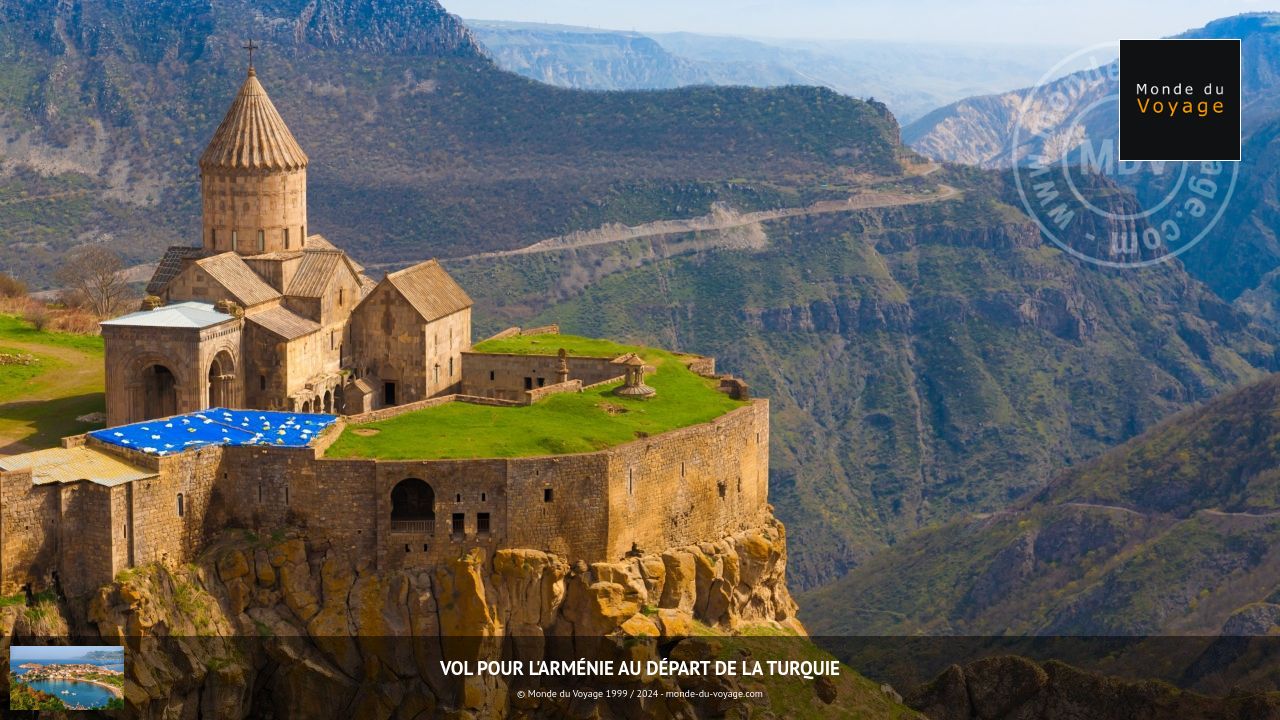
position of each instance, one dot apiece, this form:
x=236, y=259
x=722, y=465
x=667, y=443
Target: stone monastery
x=260, y=348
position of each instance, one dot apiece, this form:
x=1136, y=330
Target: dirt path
x=36, y=419
x=719, y=218
x=57, y=382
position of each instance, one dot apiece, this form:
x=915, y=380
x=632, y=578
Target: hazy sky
x=53, y=652
x=1040, y=22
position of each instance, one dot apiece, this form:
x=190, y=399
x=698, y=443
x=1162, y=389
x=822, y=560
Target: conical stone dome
x=253, y=136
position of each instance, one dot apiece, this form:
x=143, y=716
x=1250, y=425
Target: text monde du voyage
x=1181, y=99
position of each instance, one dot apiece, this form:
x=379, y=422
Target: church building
x=264, y=314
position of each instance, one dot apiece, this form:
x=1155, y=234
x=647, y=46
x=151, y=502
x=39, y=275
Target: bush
x=11, y=286
x=38, y=315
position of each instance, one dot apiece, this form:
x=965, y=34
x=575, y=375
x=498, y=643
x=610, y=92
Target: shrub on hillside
x=11, y=286
x=38, y=315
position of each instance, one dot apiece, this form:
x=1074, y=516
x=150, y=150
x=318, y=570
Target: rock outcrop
x=296, y=626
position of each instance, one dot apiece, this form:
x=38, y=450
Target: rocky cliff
x=286, y=627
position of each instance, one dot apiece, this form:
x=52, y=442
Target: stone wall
x=680, y=488
x=85, y=539
x=689, y=485
x=28, y=532
x=508, y=376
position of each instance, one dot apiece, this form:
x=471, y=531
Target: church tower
x=253, y=179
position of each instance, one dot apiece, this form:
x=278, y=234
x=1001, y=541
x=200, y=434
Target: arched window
x=262, y=241
x=413, y=507
x=181, y=509
x=286, y=238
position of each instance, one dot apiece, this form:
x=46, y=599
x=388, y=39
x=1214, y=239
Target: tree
x=97, y=275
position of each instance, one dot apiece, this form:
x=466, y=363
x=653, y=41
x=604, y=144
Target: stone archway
x=159, y=389
x=222, y=379
x=339, y=400
x=413, y=507
x=328, y=401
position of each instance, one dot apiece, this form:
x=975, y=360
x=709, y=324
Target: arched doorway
x=159, y=392
x=328, y=401
x=339, y=404
x=413, y=507
x=306, y=406
x=222, y=380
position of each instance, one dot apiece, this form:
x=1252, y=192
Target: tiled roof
x=318, y=242
x=62, y=465
x=283, y=322
x=170, y=265
x=253, y=136
x=430, y=290
x=314, y=273
x=178, y=315
x=231, y=271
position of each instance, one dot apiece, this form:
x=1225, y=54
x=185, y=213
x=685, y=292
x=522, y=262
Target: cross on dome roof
x=253, y=136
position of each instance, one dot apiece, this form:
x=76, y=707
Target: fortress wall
x=159, y=532
x=28, y=531
x=574, y=522
x=266, y=487
x=464, y=487
x=691, y=485
x=84, y=528
x=499, y=375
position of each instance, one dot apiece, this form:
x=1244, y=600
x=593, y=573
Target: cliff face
x=297, y=627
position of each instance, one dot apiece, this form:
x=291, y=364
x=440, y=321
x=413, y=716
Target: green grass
x=566, y=423
x=40, y=403
x=15, y=328
x=551, y=344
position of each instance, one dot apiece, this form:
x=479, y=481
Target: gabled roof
x=314, y=273
x=233, y=273
x=430, y=290
x=253, y=136
x=170, y=265
x=178, y=315
x=283, y=322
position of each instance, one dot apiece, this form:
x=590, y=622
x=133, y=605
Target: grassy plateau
x=565, y=423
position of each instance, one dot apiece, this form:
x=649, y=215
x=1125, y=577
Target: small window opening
x=546, y=494
x=631, y=481
x=542, y=382
x=491, y=375
x=286, y=494
x=124, y=529
x=424, y=547
x=459, y=523
x=482, y=497
x=528, y=383
x=286, y=238
x=482, y=523
x=262, y=382
x=457, y=498
x=406, y=547
x=259, y=492
x=181, y=509
x=262, y=241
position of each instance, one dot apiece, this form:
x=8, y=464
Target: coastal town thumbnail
x=66, y=677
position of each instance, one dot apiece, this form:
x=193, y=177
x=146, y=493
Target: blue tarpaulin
x=217, y=426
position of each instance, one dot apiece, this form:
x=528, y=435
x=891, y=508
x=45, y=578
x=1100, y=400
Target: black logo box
x=1190, y=64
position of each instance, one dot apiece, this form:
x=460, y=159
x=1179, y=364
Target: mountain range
x=421, y=147
x=1173, y=533
x=911, y=78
